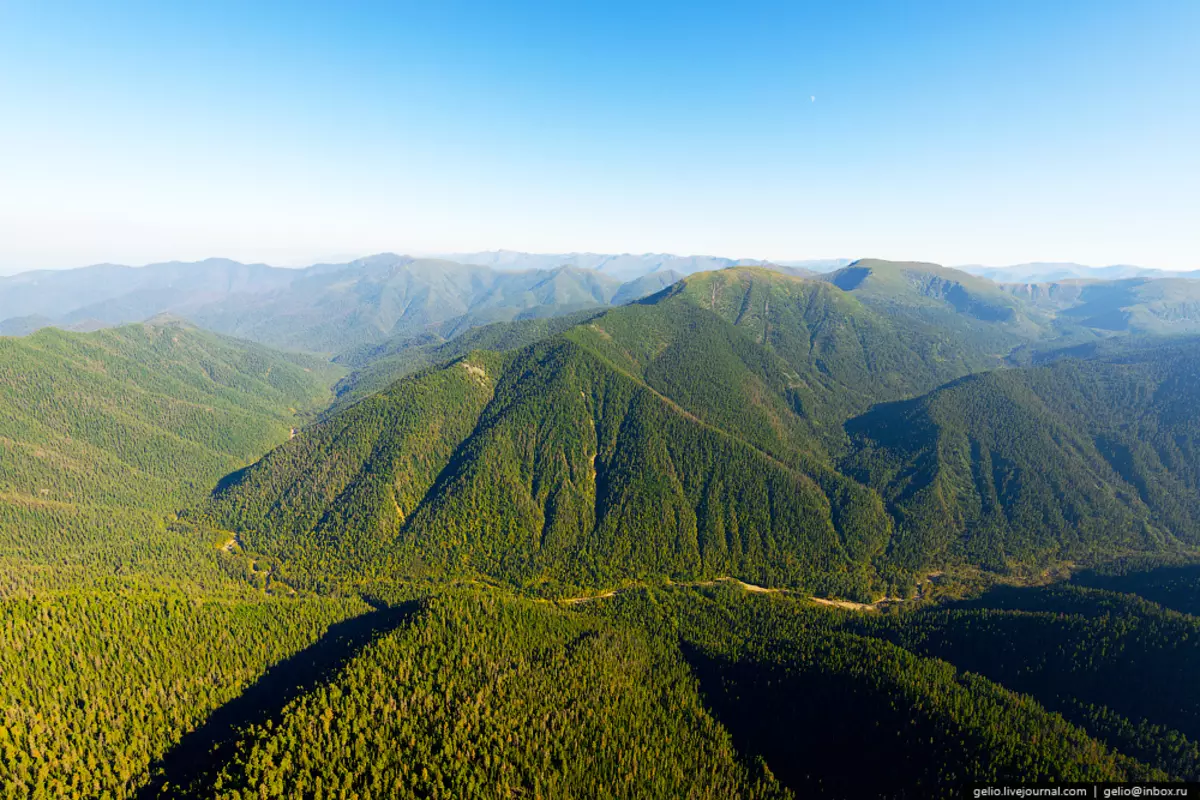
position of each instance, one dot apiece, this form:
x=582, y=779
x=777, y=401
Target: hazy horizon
x=951, y=133
x=348, y=258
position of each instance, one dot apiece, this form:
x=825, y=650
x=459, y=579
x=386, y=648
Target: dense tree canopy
x=500, y=563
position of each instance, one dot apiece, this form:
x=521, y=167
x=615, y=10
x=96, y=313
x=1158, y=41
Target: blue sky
x=958, y=132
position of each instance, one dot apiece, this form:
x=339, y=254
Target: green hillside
x=1053, y=462
x=542, y=467
x=375, y=367
x=103, y=434
x=96, y=686
x=709, y=430
x=1113, y=664
x=808, y=690
x=829, y=355
x=870, y=332
x=354, y=609
x=709, y=693
x=980, y=314
x=337, y=307
x=495, y=697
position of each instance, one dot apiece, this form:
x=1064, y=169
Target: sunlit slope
x=103, y=433
x=1077, y=457
x=543, y=466
x=978, y=313
x=378, y=366
x=491, y=696
x=345, y=487
x=750, y=337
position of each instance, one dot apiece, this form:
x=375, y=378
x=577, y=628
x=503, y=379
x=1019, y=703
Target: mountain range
x=323, y=308
x=533, y=532
x=332, y=308
x=1050, y=271
x=728, y=424
x=628, y=266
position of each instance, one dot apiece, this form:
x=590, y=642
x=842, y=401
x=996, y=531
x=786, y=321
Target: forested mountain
x=624, y=266
x=544, y=467
x=377, y=366
x=827, y=355
x=95, y=686
x=973, y=309
x=713, y=429
x=112, y=294
x=825, y=351
x=1137, y=305
x=1052, y=461
x=331, y=308
x=219, y=579
x=1048, y=272
x=324, y=308
x=713, y=692
x=808, y=690
x=102, y=434
x=631, y=266
x=494, y=696
x=945, y=322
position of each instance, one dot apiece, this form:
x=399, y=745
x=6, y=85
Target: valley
x=599, y=400
x=718, y=538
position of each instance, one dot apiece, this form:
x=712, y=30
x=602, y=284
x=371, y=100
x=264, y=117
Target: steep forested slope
x=977, y=312
x=1077, y=457
x=820, y=350
x=101, y=434
x=342, y=489
x=543, y=466
x=1138, y=305
x=330, y=308
x=377, y=366
x=113, y=294
x=700, y=432
x=743, y=423
x=325, y=308
x=486, y=696
x=1113, y=664
x=1173, y=583
x=814, y=692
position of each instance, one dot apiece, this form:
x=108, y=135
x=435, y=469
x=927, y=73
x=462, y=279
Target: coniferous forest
x=881, y=532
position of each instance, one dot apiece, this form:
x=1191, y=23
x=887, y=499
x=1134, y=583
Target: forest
x=735, y=538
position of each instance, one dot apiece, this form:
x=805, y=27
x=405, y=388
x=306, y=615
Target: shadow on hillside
x=760, y=726
x=187, y=768
x=815, y=730
x=229, y=481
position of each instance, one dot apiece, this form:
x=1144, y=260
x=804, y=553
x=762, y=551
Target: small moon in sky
x=812, y=97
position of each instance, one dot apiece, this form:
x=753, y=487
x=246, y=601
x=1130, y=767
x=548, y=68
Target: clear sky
x=957, y=132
